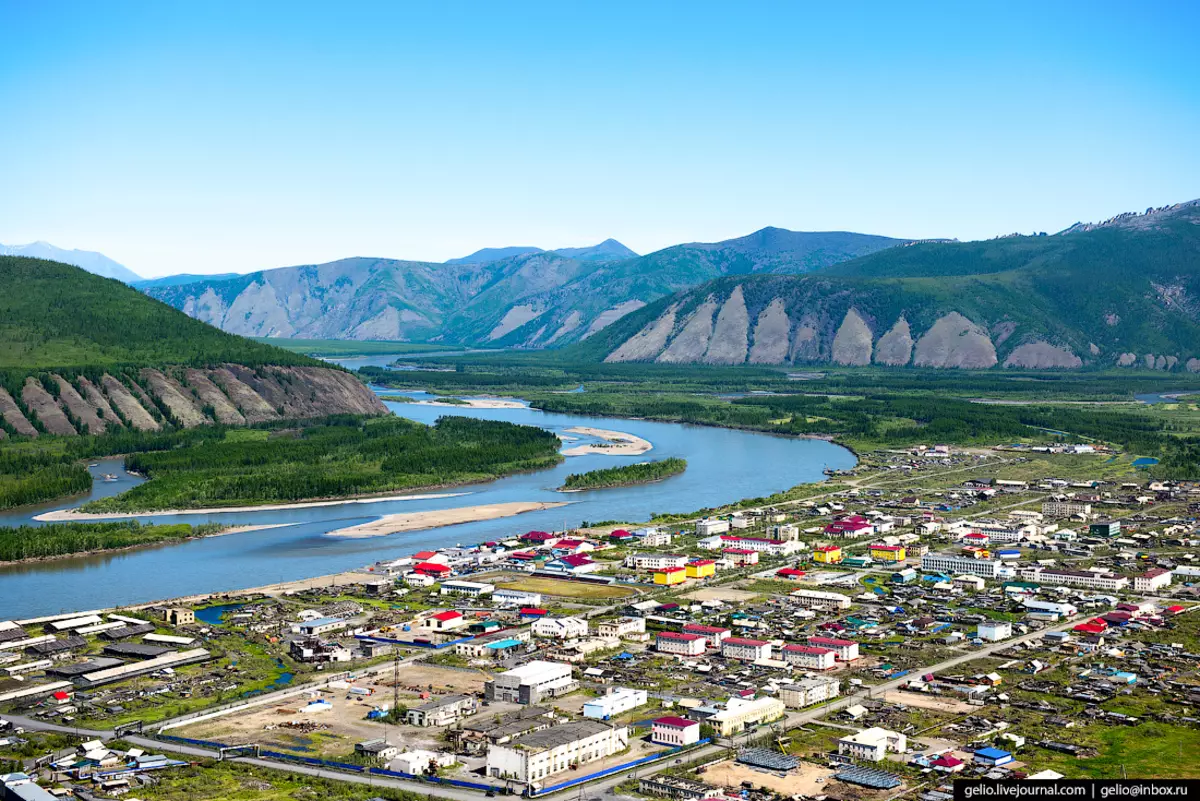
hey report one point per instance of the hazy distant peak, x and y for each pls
(608, 250)
(96, 263)
(494, 254)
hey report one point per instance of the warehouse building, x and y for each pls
(542, 754)
(621, 699)
(443, 711)
(530, 683)
(740, 714)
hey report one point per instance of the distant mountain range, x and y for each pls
(608, 250)
(528, 299)
(95, 263)
(1124, 292)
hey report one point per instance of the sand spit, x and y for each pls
(66, 515)
(617, 443)
(393, 524)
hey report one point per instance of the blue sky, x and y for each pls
(213, 137)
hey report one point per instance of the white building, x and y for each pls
(530, 683)
(740, 714)
(846, 650)
(994, 630)
(512, 599)
(560, 628)
(710, 526)
(809, 657)
(952, 565)
(1077, 578)
(655, 561)
(536, 756)
(1065, 508)
(1152, 580)
(470, 588)
(872, 745)
(1061, 609)
(816, 599)
(744, 649)
(653, 537)
(807, 692)
(621, 627)
(419, 763)
(674, 642)
(620, 699)
(762, 545)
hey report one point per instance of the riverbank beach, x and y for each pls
(616, 443)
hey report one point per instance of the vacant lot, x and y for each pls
(564, 589)
(808, 779)
(720, 594)
(928, 702)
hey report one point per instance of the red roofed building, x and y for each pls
(741, 556)
(674, 642)
(432, 569)
(850, 527)
(846, 650)
(809, 657)
(714, 634)
(431, 556)
(745, 650)
(445, 621)
(947, 763)
(789, 573)
(575, 563)
(1091, 628)
(1175, 610)
(674, 731)
(539, 537)
(1152, 580)
(532, 613)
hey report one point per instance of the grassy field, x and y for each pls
(564, 589)
(229, 781)
(341, 348)
(1149, 751)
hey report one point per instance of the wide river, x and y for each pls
(723, 466)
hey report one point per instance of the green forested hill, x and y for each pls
(55, 316)
(1120, 294)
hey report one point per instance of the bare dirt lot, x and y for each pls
(416, 674)
(721, 594)
(808, 779)
(922, 701)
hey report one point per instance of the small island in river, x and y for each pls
(626, 475)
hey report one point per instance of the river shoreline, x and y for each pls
(619, 443)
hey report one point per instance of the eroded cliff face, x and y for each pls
(230, 394)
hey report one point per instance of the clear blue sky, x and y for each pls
(212, 137)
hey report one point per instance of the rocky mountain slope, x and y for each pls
(1122, 293)
(529, 300)
(80, 354)
(95, 263)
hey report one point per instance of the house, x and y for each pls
(432, 557)
(994, 630)
(560, 628)
(543, 538)
(444, 621)
(872, 745)
(323, 625)
(969, 583)
(947, 763)
(569, 547)
(531, 682)
(418, 580)
(508, 599)
(992, 757)
(472, 589)
(652, 536)
(789, 574)
(673, 642)
(674, 731)
(379, 749)
(713, 634)
(850, 527)
(537, 756)
(745, 650)
(827, 554)
(613, 703)
(442, 712)
(529, 613)
(809, 657)
(432, 569)
(700, 568)
(420, 763)
(671, 575)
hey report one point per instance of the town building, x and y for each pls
(887, 553)
(1065, 507)
(971, 583)
(1105, 528)
(741, 714)
(449, 620)
(809, 657)
(673, 642)
(530, 683)
(1152, 580)
(670, 575)
(442, 712)
(541, 754)
(323, 625)
(700, 568)
(511, 599)
(674, 731)
(674, 787)
(713, 634)
(994, 630)
(846, 650)
(472, 589)
(620, 699)
(850, 527)
(575, 564)
(953, 565)
(818, 599)
(741, 556)
(655, 561)
(827, 554)
(653, 537)
(179, 616)
(1086, 579)
(745, 650)
(709, 527)
(621, 627)
(378, 749)
(992, 757)
(807, 692)
(872, 745)
(560, 628)
(760, 544)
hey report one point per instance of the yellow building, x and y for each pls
(888, 553)
(670, 575)
(829, 554)
(701, 568)
(740, 714)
